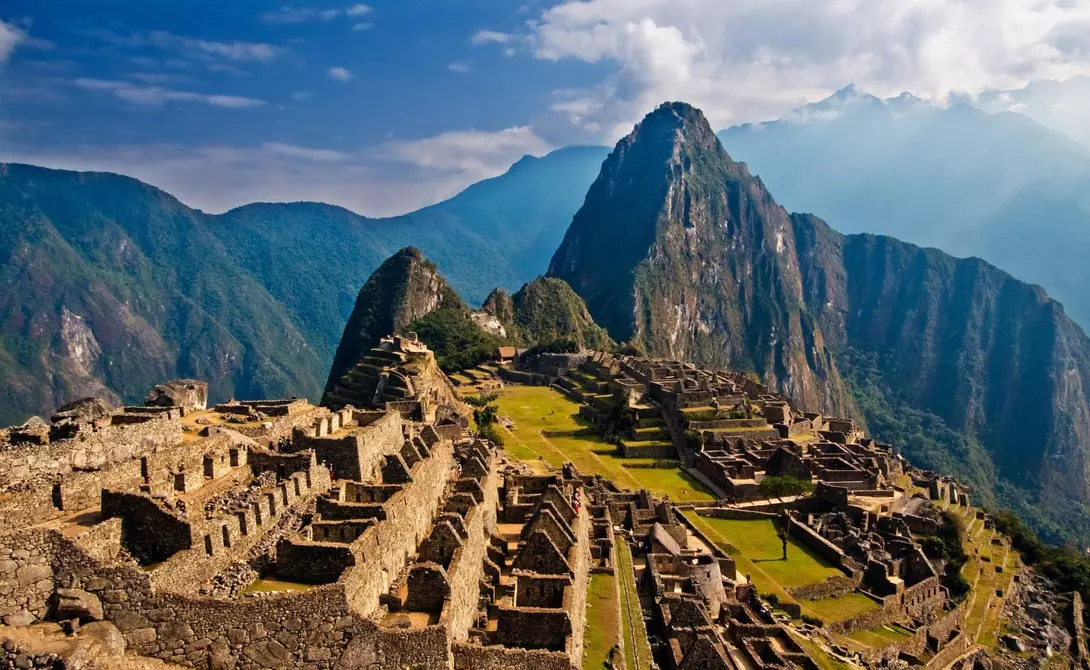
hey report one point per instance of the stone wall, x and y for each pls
(35, 465)
(357, 453)
(820, 545)
(580, 561)
(467, 568)
(388, 545)
(476, 657)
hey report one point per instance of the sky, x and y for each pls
(388, 106)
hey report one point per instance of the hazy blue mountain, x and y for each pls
(997, 186)
(112, 285)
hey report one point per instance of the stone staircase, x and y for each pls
(649, 437)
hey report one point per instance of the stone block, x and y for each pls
(76, 604)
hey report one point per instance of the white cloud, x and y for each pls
(288, 14)
(360, 27)
(238, 51)
(491, 37)
(460, 66)
(305, 153)
(234, 51)
(157, 78)
(10, 36)
(155, 96)
(754, 59)
(339, 74)
(392, 178)
(476, 154)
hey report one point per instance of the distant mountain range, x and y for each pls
(111, 285)
(997, 186)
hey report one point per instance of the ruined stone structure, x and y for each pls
(377, 532)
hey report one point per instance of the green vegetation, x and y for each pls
(548, 310)
(756, 547)
(603, 629)
(948, 545)
(1067, 565)
(783, 486)
(840, 608)
(881, 637)
(533, 409)
(457, 341)
(637, 650)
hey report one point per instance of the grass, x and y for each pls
(756, 550)
(983, 619)
(840, 608)
(759, 542)
(537, 408)
(637, 650)
(266, 585)
(821, 657)
(603, 621)
(881, 637)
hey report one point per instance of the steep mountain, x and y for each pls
(961, 365)
(403, 289)
(546, 310)
(997, 186)
(678, 248)
(407, 294)
(113, 285)
(110, 286)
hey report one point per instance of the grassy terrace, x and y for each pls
(603, 621)
(983, 620)
(534, 409)
(757, 551)
(637, 650)
(881, 637)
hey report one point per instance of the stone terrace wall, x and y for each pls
(358, 453)
(42, 500)
(285, 631)
(580, 561)
(217, 543)
(421, 649)
(475, 657)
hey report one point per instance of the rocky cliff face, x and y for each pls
(678, 247)
(406, 287)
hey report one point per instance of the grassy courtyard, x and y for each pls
(534, 409)
(603, 621)
(757, 551)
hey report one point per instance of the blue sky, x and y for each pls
(388, 106)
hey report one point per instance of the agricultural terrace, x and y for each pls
(547, 425)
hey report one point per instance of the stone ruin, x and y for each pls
(377, 532)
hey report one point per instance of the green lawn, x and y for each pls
(881, 637)
(537, 408)
(759, 542)
(841, 608)
(633, 628)
(603, 621)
